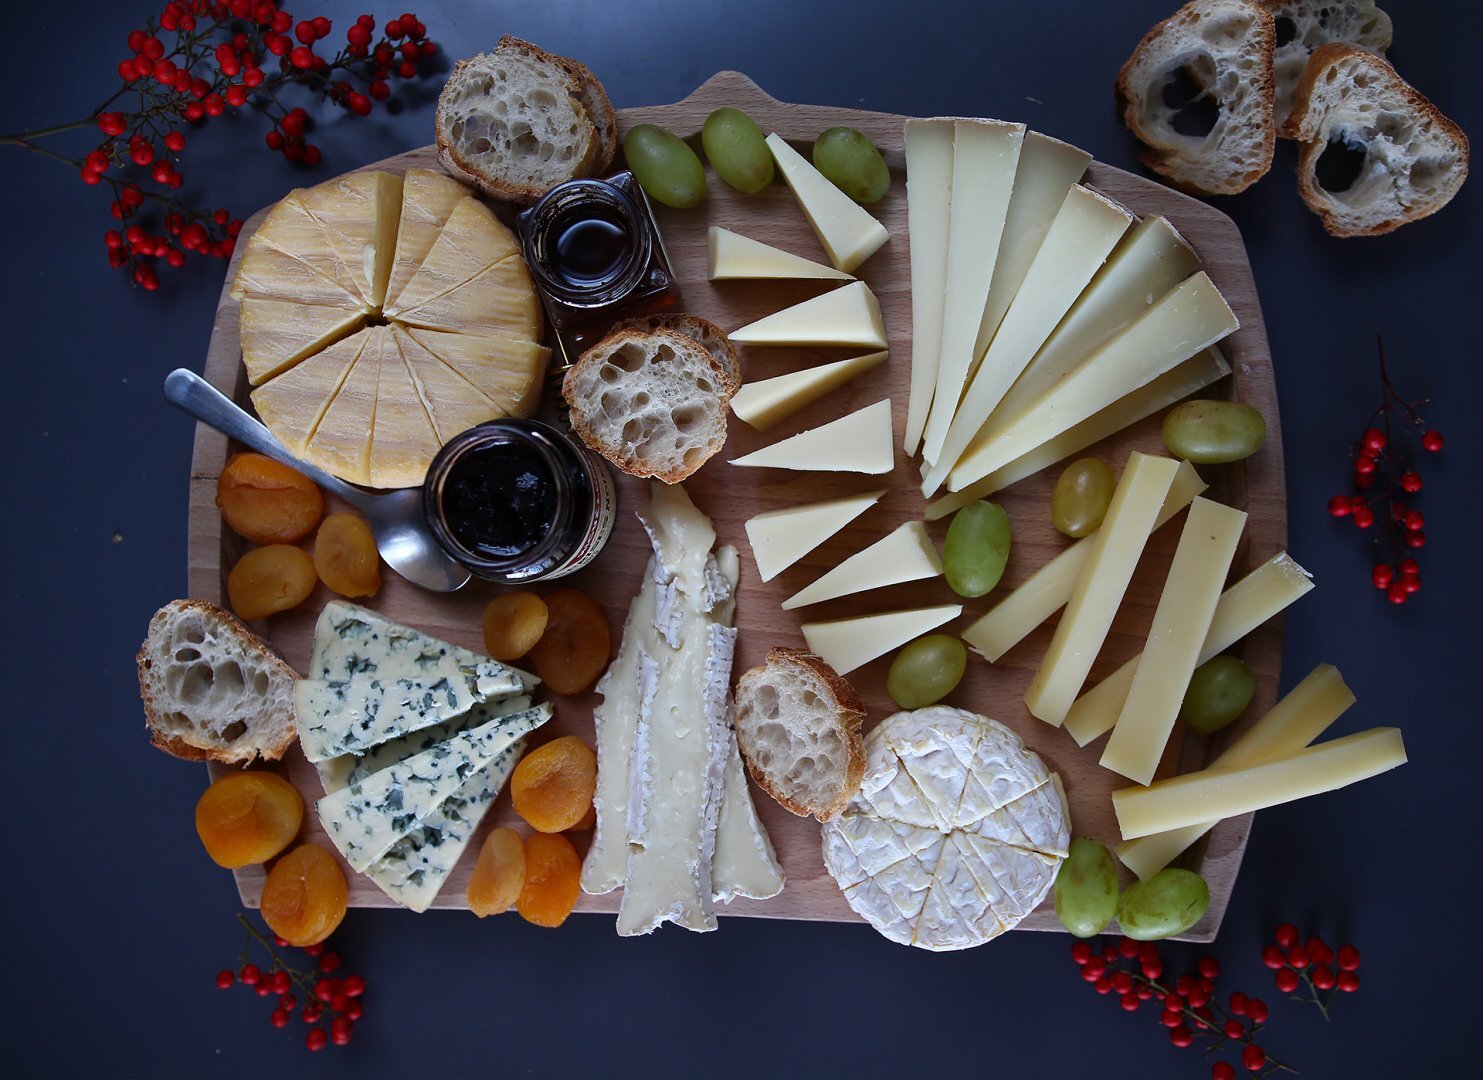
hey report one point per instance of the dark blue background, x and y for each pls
(115, 920)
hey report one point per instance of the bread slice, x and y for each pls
(653, 402)
(512, 122)
(1225, 49)
(702, 331)
(599, 110)
(1303, 25)
(211, 689)
(1414, 158)
(798, 725)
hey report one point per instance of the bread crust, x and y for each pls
(703, 332)
(594, 97)
(1337, 20)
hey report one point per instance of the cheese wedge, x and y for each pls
(472, 240)
(1187, 320)
(849, 315)
(277, 334)
(929, 187)
(1243, 607)
(767, 401)
(1099, 589)
(1046, 591)
(404, 442)
(341, 443)
(358, 214)
(733, 256)
(907, 554)
(745, 863)
(1081, 237)
(1229, 791)
(268, 270)
(296, 400)
(847, 231)
(428, 201)
(1046, 171)
(1180, 623)
(500, 294)
(1294, 722)
(506, 370)
(451, 402)
(779, 538)
(859, 442)
(985, 156)
(845, 644)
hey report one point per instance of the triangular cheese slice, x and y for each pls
(428, 200)
(451, 401)
(277, 334)
(762, 404)
(845, 644)
(859, 442)
(298, 399)
(506, 370)
(906, 554)
(267, 270)
(358, 214)
(472, 239)
(734, 256)
(844, 227)
(780, 538)
(929, 189)
(850, 315)
(499, 298)
(404, 443)
(341, 443)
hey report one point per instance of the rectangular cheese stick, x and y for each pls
(1046, 591)
(1294, 722)
(1099, 589)
(929, 186)
(1242, 608)
(1180, 623)
(1225, 792)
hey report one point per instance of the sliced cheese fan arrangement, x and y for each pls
(1054, 311)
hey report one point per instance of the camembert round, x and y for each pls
(955, 835)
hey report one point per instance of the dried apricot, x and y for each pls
(553, 880)
(267, 502)
(587, 821)
(498, 875)
(513, 623)
(574, 649)
(345, 556)
(270, 579)
(248, 817)
(305, 896)
(553, 784)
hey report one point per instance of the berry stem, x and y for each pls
(279, 964)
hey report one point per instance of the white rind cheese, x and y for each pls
(845, 644)
(929, 188)
(737, 257)
(779, 538)
(906, 554)
(767, 401)
(847, 231)
(858, 442)
(847, 316)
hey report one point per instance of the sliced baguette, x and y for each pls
(702, 331)
(1225, 47)
(1303, 25)
(798, 725)
(599, 110)
(1415, 159)
(653, 402)
(211, 689)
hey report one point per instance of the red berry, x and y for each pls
(1348, 982)
(358, 104)
(1319, 952)
(1152, 969)
(358, 35)
(281, 21)
(1129, 1002)
(339, 1003)
(1348, 954)
(312, 1012)
(1233, 1029)
(1122, 982)
(1413, 520)
(1183, 985)
(1396, 593)
(1272, 956)
(323, 990)
(1340, 506)
(1411, 482)
(1223, 1070)
(1081, 952)
(394, 29)
(1182, 1036)
(1323, 978)
(1365, 482)
(407, 69)
(1256, 1011)
(1373, 438)
(1209, 967)
(1287, 980)
(293, 125)
(305, 32)
(1416, 539)
(1364, 465)
(1171, 1018)
(194, 111)
(355, 1010)
(427, 48)
(1102, 985)
(279, 1018)
(274, 139)
(330, 962)
(1253, 1057)
(175, 142)
(1381, 575)
(1364, 517)
(1144, 992)
(224, 978)
(281, 982)
(301, 57)
(249, 974)
(1432, 440)
(1097, 966)
(136, 40)
(1173, 1001)
(1297, 956)
(253, 78)
(287, 1001)
(1238, 1004)
(380, 90)
(316, 1039)
(1198, 997)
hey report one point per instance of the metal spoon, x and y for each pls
(396, 518)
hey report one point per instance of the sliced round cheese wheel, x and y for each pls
(956, 834)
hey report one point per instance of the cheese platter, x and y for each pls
(865, 393)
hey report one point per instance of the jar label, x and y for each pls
(600, 524)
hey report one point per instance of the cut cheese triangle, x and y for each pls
(358, 214)
(762, 404)
(428, 200)
(847, 231)
(450, 400)
(472, 239)
(341, 443)
(296, 400)
(734, 256)
(904, 555)
(860, 442)
(505, 370)
(500, 295)
(929, 187)
(845, 644)
(267, 270)
(846, 316)
(404, 442)
(277, 334)
(779, 538)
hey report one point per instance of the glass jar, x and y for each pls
(518, 501)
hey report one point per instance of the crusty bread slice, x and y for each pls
(512, 122)
(1225, 48)
(211, 689)
(1415, 159)
(1303, 25)
(798, 725)
(599, 110)
(702, 331)
(653, 402)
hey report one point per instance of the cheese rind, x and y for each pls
(858, 442)
(906, 554)
(929, 187)
(779, 538)
(847, 231)
(845, 644)
(765, 402)
(847, 316)
(733, 256)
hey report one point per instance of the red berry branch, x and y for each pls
(330, 1004)
(1384, 478)
(1311, 965)
(192, 63)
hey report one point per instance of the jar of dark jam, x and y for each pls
(518, 501)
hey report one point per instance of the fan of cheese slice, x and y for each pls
(956, 834)
(380, 316)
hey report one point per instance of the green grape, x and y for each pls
(1214, 432)
(976, 548)
(736, 149)
(1086, 889)
(926, 671)
(665, 166)
(1218, 692)
(1166, 904)
(1081, 497)
(852, 164)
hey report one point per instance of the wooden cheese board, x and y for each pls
(731, 495)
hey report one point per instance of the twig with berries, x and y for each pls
(192, 63)
(1380, 456)
(325, 995)
(1311, 964)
